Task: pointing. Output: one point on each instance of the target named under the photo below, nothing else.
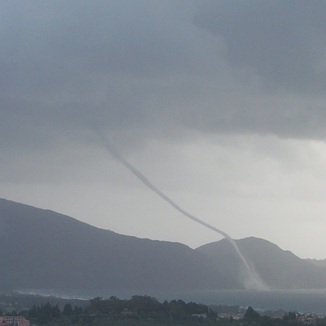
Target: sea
(313, 301)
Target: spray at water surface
(252, 279)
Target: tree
(67, 310)
(291, 315)
(55, 311)
(251, 315)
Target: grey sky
(220, 103)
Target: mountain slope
(318, 262)
(277, 268)
(44, 249)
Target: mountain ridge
(278, 268)
(59, 251)
(44, 249)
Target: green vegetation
(146, 310)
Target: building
(13, 321)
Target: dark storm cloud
(202, 96)
(54, 45)
(79, 64)
(157, 69)
(284, 41)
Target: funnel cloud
(252, 279)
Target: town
(144, 310)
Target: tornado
(252, 279)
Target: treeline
(138, 310)
(146, 307)
(146, 310)
(252, 318)
(46, 313)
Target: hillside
(318, 262)
(278, 268)
(44, 249)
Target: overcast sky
(220, 103)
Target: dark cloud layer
(284, 41)
(220, 103)
(161, 69)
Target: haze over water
(296, 300)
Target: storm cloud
(217, 66)
(171, 83)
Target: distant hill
(46, 250)
(43, 249)
(279, 269)
(318, 262)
